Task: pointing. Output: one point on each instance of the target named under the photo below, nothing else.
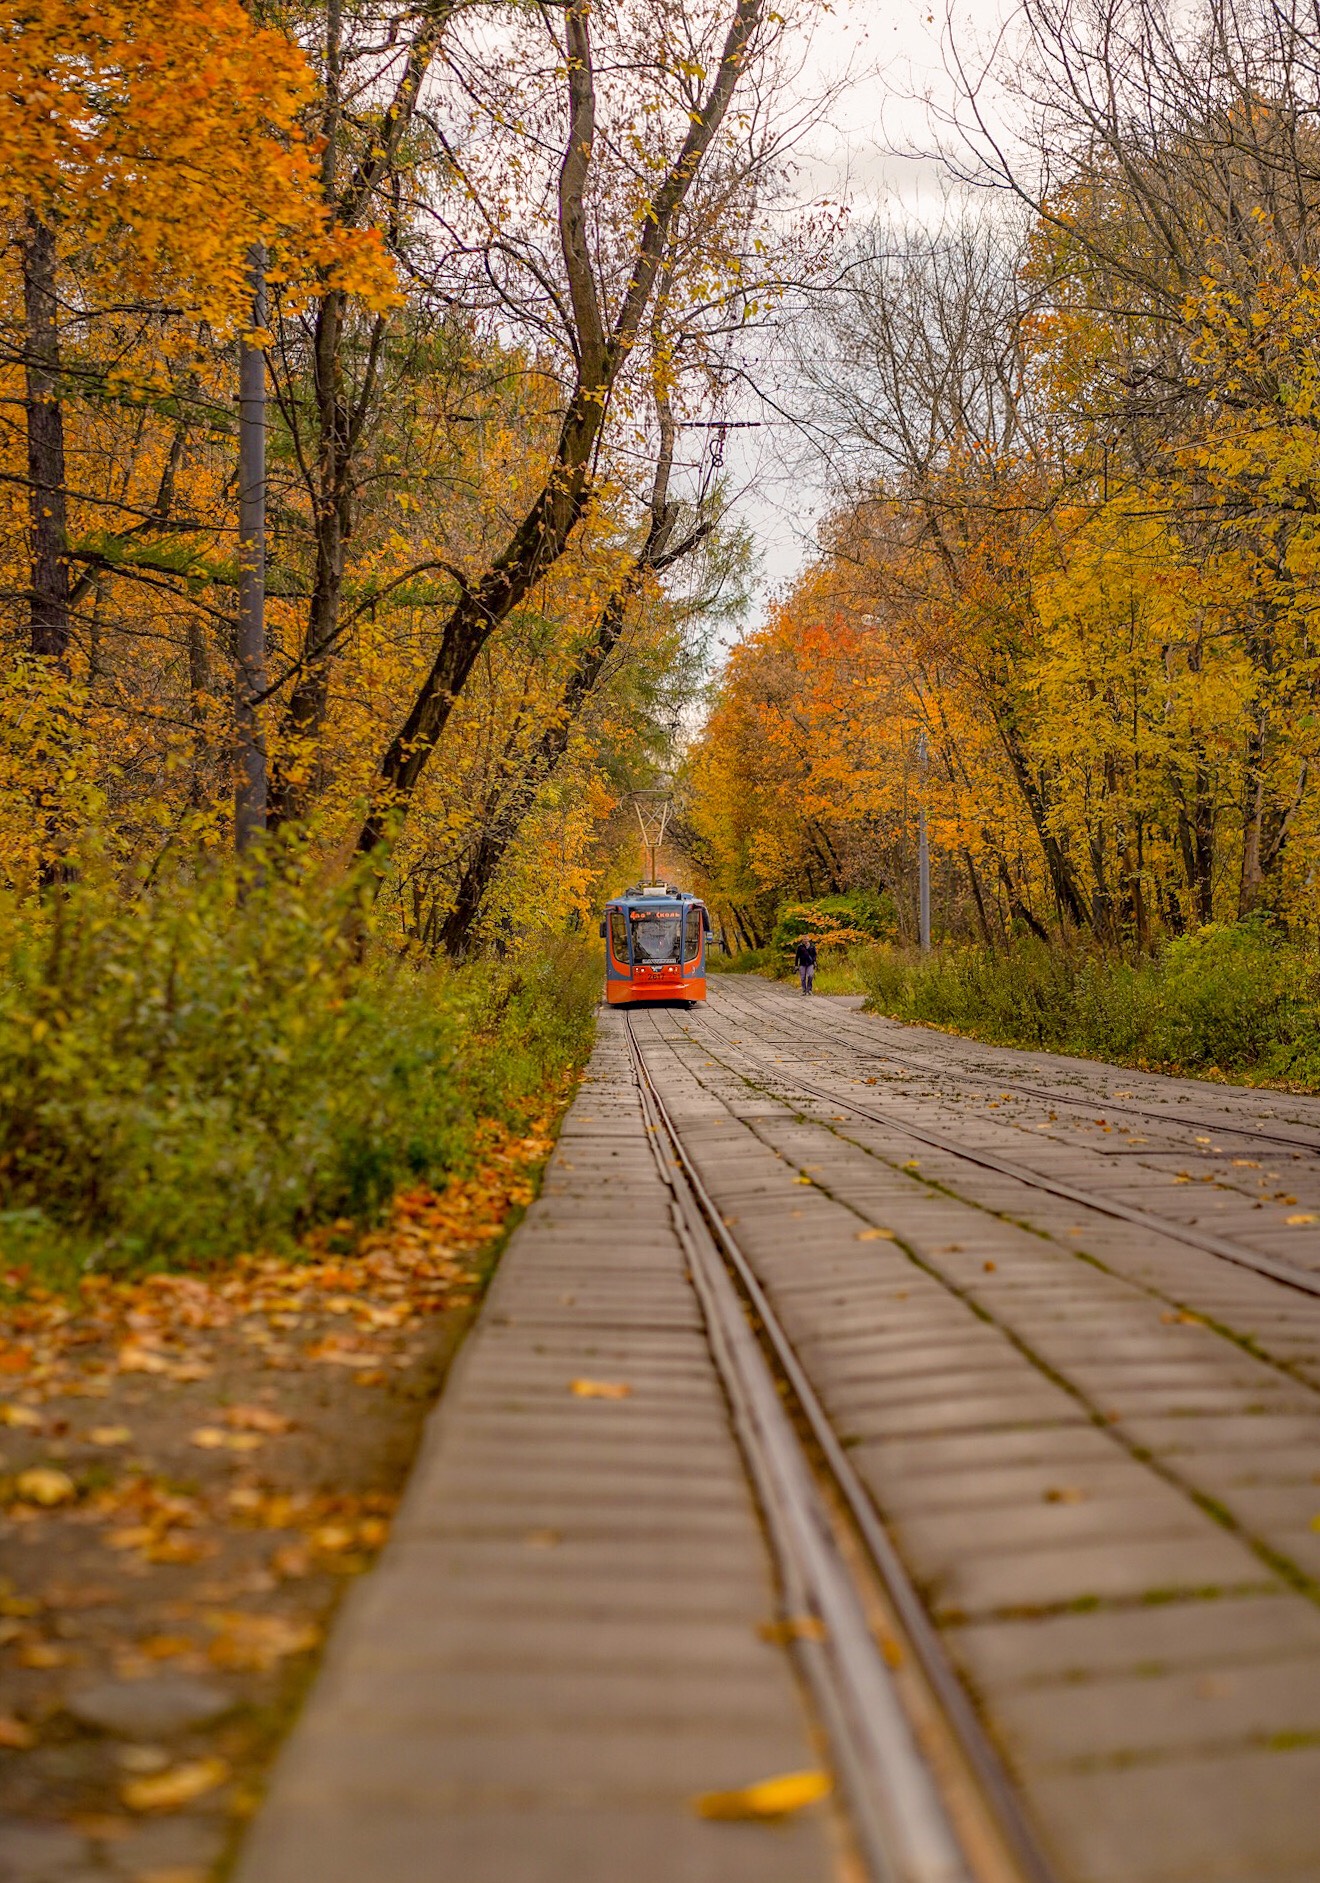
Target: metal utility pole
(250, 673)
(923, 855)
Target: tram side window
(692, 946)
(619, 937)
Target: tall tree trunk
(1196, 844)
(199, 696)
(1251, 875)
(297, 779)
(603, 349)
(1016, 906)
(251, 784)
(983, 919)
(1068, 894)
(47, 494)
(294, 777)
(341, 411)
(500, 831)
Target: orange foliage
(170, 131)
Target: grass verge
(838, 971)
(1235, 1001)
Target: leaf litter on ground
(192, 1466)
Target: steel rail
(1209, 1244)
(1120, 1107)
(902, 1824)
(1117, 1107)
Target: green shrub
(840, 921)
(185, 1074)
(766, 961)
(1229, 998)
(1240, 997)
(838, 924)
(840, 971)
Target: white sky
(870, 157)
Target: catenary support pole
(923, 857)
(250, 674)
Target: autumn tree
(159, 147)
(616, 205)
(1172, 161)
(488, 327)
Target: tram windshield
(657, 936)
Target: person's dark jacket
(806, 954)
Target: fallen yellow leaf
(255, 1642)
(291, 1560)
(891, 1649)
(212, 1438)
(190, 1370)
(19, 1415)
(165, 1647)
(876, 1235)
(792, 1628)
(134, 1358)
(43, 1484)
(600, 1389)
(167, 1791)
(332, 1537)
(109, 1435)
(1295, 1222)
(175, 1546)
(257, 1419)
(769, 1798)
(44, 1654)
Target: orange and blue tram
(655, 945)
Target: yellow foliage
(170, 131)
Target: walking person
(805, 963)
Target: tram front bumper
(655, 984)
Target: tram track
(928, 1798)
(1191, 1235)
(1118, 1108)
(1115, 1514)
(1285, 1368)
(1093, 1103)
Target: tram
(655, 945)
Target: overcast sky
(871, 154)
